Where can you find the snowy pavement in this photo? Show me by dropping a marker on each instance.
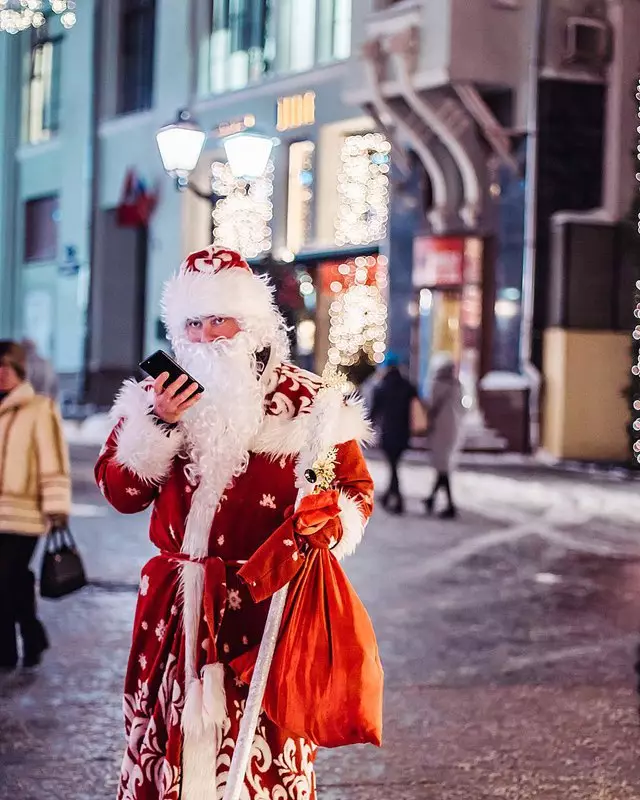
(507, 638)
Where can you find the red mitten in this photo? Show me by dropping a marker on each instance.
(315, 511)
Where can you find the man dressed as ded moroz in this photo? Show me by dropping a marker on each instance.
(221, 469)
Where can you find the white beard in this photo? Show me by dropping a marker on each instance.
(220, 428)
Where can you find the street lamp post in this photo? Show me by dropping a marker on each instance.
(181, 143)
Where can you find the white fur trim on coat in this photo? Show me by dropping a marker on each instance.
(235, 293)
(199, 766)
(353, 525)
(204, 714)
(280, 436)
(142, 446)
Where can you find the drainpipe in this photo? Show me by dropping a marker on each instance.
(94, 156)
(531, 199)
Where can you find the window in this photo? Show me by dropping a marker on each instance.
(242, 45)
(43, 88)
(300, 196)
(135, 58)
(41, 229)
(335, 30)
(296, 46)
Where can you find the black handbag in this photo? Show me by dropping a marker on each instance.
(62, 570)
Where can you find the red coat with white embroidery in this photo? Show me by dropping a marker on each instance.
(140, 466)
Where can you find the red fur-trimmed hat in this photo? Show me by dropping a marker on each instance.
(217, 282)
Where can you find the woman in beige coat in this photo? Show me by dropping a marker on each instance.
(35, 493)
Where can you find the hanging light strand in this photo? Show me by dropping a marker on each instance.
(358, 312)
(635, 368)
(242, 216)
(363, 190)
(18, 15)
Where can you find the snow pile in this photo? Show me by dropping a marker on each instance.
(91, 431)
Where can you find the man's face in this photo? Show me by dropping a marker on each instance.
(208, 329)
(9, 378)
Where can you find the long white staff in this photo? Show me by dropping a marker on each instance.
(314, 472)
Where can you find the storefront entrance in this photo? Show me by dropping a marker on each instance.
(448, 279)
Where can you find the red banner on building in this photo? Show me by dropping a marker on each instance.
(438, 261)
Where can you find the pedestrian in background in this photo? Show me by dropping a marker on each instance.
(40, 373)
(444, 434)
(391, 413)
(35, 493)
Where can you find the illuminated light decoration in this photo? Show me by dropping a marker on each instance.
(18, 15)
(300, 195)
(358, 312)
(296, 111)
(235, 126)
(242, 216)
(635, 369)
(363, 190)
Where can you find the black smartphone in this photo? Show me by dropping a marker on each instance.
(160, 362)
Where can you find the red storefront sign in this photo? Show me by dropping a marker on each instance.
(438, 261)
(338, 276)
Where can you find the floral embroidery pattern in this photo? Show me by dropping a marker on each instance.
(268, 501)
(220, 540)
(132, 492)
(142, 660)
(144, 585)
(145, 760)
(234, 599)
(288, 542)
(161, 628)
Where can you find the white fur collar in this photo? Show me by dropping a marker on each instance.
(280, 436)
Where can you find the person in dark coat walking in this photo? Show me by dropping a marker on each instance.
(391, 414)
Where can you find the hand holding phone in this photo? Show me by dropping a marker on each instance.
(176, 391)
(173, 398)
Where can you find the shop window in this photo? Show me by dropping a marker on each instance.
(300, 195)
(334, 40)
(363, 190)
(136, 53)
(41, 229)
(242, 45)
(42, 98)
(297, 35)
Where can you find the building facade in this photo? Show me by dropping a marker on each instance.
(450, 176)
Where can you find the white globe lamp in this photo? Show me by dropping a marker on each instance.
(180, 144)
(248, 153)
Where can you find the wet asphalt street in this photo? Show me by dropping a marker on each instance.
(507, 638)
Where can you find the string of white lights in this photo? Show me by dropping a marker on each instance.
(363, 190)
(635, 369)
(358, 312)
(242, 216)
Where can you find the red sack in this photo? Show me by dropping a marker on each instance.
(326, 678)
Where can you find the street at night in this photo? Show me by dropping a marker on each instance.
(507, 638)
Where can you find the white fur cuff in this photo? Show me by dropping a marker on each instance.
(353, 525)
(143, 447)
